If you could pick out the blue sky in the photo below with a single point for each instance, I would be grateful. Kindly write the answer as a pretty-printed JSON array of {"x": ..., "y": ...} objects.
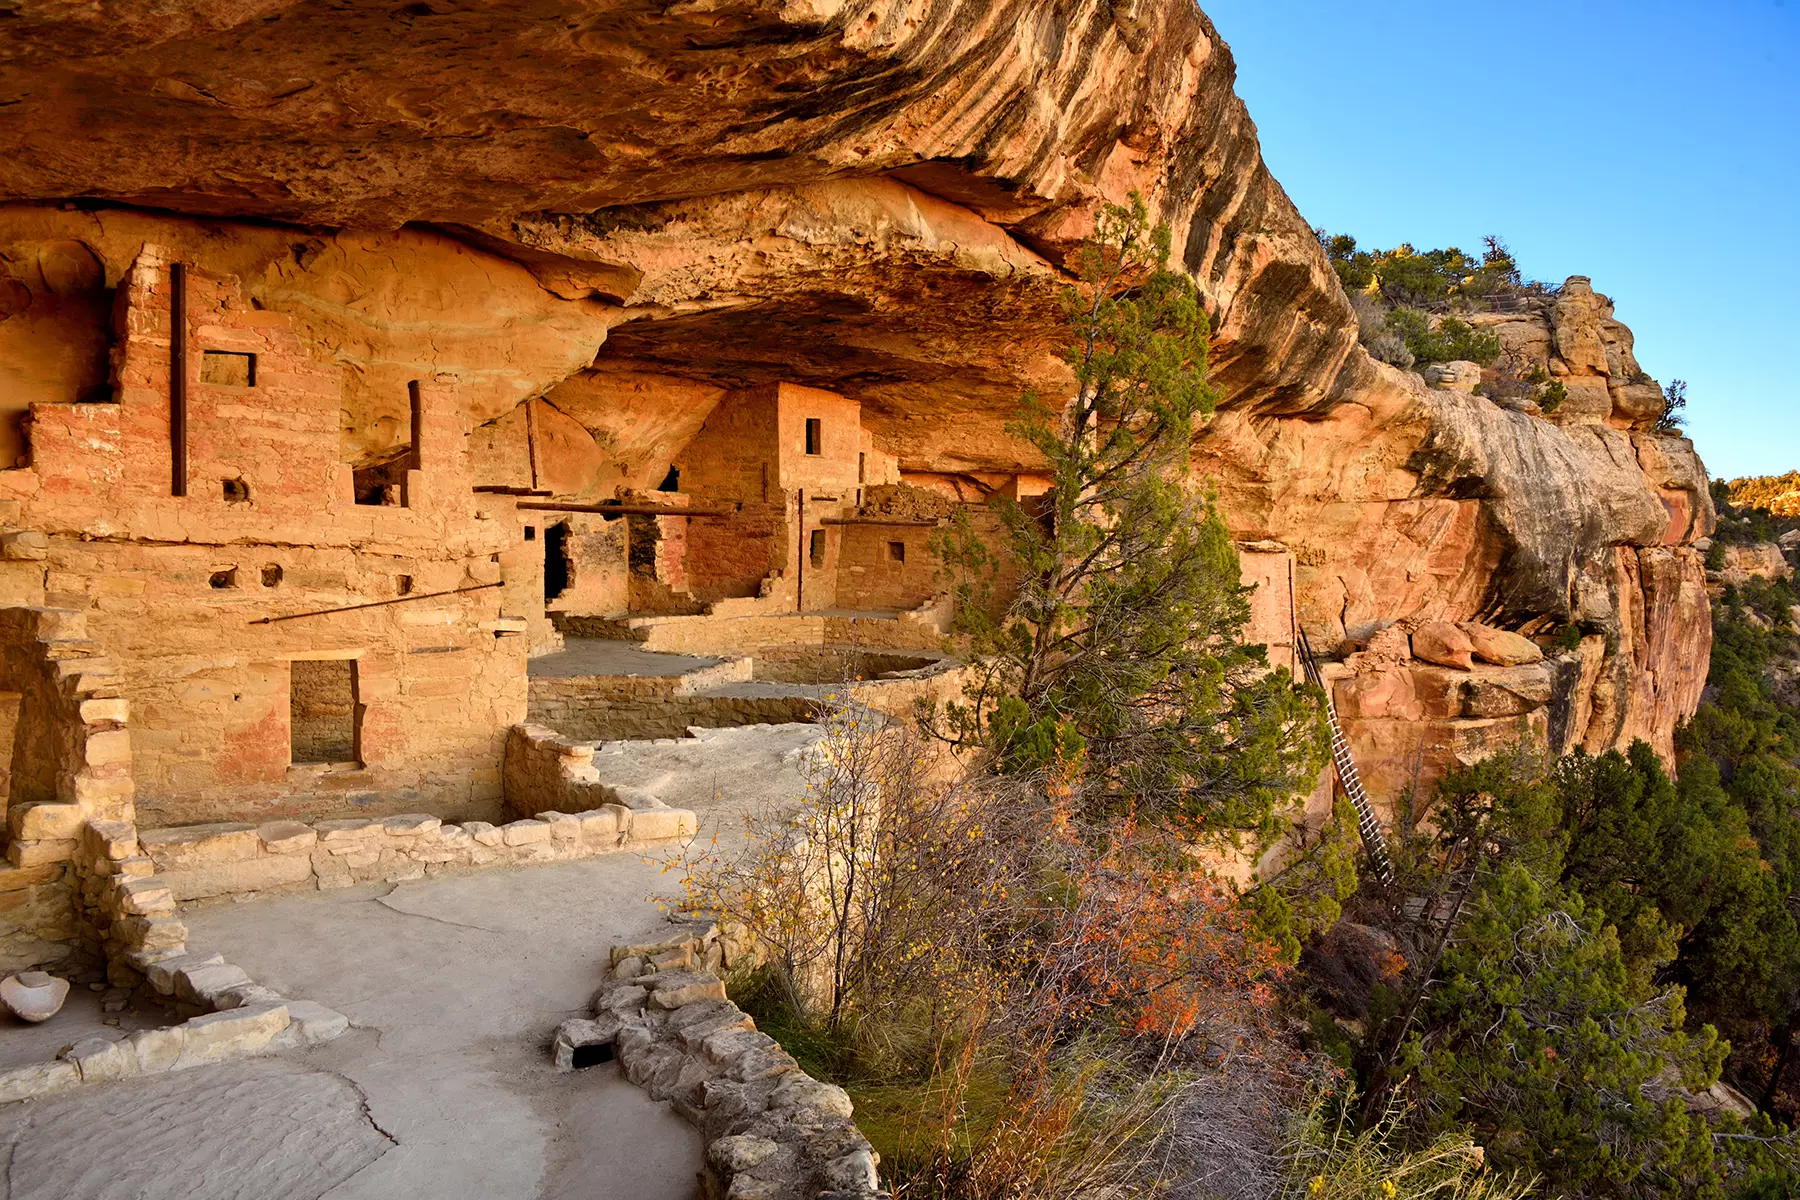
[{"x": 1652, "y": 146}]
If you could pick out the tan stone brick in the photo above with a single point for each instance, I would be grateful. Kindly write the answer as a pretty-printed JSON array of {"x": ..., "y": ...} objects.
[
  {"x": 45, "y": 822},
  {"x": 662, "y": 824},
  {"x": 235, "y": 1033},
  {"x": 231, "y": 878},
  {"x": 287, "y": 837},
  {"x": 107, "y": 747},
  {"x": 410, "y": 824},
  {"x": 17, "y": 878},
  {"x": 32, "y": 854},
  {"x": 38, "y": 1079},
  {"x": 100, "y": 1060},
  {"x": 200, "y": 845},
  {"x": 524, "y": 833},
  {"x": 156, "y": 1049},
  {"x": 114, "y": 841},
  {"x": 95, "y": 711}
]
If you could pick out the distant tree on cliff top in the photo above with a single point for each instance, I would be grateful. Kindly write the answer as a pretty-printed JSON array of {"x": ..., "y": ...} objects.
[
  {"x": 1125, "y": 642},
  {"x": 1674, "y": 403},
  {"x": 1776, "y": 494}
]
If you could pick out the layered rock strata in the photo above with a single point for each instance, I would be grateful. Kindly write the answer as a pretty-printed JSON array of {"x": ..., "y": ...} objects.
[{"x": 597, "y": 222}]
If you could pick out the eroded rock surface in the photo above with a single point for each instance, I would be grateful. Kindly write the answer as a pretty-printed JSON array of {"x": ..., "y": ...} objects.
[{"x": 618, "y": 213}]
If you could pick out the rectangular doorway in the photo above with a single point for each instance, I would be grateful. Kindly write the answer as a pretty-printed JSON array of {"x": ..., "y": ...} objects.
[{"x": 322, "y": 710}]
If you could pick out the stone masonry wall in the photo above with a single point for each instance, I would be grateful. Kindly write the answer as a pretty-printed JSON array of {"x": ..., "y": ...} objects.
[{"x": 175, "y": 588}]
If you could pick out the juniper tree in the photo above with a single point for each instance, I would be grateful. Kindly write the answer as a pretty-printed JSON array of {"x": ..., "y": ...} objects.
[{"x": 1125, "y": 639}]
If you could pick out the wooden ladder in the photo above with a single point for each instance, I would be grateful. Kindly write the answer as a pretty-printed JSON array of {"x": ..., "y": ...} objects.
[{"x": 1345, "y": 764}]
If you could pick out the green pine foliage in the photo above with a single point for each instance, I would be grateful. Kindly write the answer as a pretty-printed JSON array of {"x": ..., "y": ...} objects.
[{"x": 1125, "y": 642}]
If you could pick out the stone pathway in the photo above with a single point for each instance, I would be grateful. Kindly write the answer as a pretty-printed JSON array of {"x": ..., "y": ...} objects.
[{"x": 442, "y": 1087}]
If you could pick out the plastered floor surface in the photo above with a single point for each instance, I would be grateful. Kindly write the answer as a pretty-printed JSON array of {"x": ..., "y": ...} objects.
[{"x": 442, "y": 1088}]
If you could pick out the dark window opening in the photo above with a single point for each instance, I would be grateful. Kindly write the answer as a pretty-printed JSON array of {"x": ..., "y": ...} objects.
[
  {"x": 671, "y": 482},
  {"x": 224, "y": 579},
  {"x": 817, "y": 548},
  {"x": 322, "y": 710},
  {"x": 861, "y": 466},
  {"x": 271, "y": 575},
  {"x": 226, "y": 369},
  {"x": 235, "y": 491},
  {"x": 403, "y": 585},
  {"x": 383, "y": 484},
  {"x": 897, "y": 551},
  {"x": 591, "y": 1056},
  {"x": 815, "y": 435},
  {"x": 531, "y": 533},
  {"x": 556, "y": 560}
]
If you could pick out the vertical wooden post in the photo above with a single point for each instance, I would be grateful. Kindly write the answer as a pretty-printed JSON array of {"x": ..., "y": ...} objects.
[
  {"x": 415, "y": 460},
  {"x": 531, "y": 439},
  {"x": 178, "y": 379},
  {"x": 800, "y": 557}
]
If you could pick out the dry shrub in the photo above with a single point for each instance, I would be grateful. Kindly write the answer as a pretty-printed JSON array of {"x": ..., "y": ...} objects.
[{"x": 1015, "y": 993}]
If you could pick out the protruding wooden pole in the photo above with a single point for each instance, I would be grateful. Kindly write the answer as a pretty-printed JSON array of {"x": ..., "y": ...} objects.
[
  {"x": 531, "y": 438},
  {"x": 178, "y": 382}
]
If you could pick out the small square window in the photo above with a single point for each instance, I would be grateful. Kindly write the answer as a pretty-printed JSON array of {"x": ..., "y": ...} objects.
[
  {"x": 531, "y": 533},
  {"x": 897, "y": 551},
  {"x": 226, "y": 369},
  {"x": 815, "y": 436},
  {"x": 228, "y": 578},
  {"x": 235, "y": 491}
]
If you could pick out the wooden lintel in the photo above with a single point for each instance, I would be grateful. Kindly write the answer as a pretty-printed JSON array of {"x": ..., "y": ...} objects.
[{"x": 906, "y": 521}]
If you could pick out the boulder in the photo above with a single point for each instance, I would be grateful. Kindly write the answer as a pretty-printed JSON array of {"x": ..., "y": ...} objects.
[
  {"x": 1501, "y": 647},
  {"x": 1445, "y": 644}
]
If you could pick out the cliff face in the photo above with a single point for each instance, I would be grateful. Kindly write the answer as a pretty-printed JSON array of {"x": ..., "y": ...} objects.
[{"x": 628, "y": 209}]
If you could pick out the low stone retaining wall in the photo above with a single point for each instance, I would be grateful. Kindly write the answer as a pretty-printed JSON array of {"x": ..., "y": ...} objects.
[
  {"x": 773, "y": 1132},
  {"x": 201, "y": 862},
  {"x": 612, "y": 708},
  {"x": 229, "y": 1016}
]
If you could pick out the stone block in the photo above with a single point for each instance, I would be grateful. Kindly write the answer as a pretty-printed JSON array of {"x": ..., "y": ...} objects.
[
  {"x": 233, "y": 878},
  {"x": 676, "y": 989},
  {"x": 410, "y": 824},
  {"x": 287, "y": 837},
  {"x": 564, "y": 827},
  {"x": 799, "y": 1092},
  {"x": 525, "y": 833},
  {"x": 202, "y": 985},
  {"x": 740, "y": 1153},
  {"x": 186, "y": 846},
  {"x": 117, "y": 709},
  {"x": 24, "y": 545},
  {"x": 107, "y": 748},
  {"x": 13, "y": 879},
  {"x": 157, "y": 1049},
  {"x": 572, "y": 1035},
  {"x": 151, "y": 933},
  {"x": 160, "y": 973},
  {"x": 484, "y": 833},
  {"x": 605, "y": 827},
  {"x": 103, "y": 790},
  {"x": 35, "y": 854},
  {"x": 311, "y": 1023},
  {"x": 114, "y": 841},
  {"x": 235, "y": 1033},
  {"x": 145, "y": 897},
  {"x": 46, "y": 822},
  {"x": 244, "y": 994},
  {"x": 38, "y": 1079},
  {"x": 650, "y": 825},
  {"x": 353, "y": 830},
  {"x": 100, "y": 1059}
]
